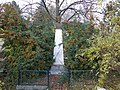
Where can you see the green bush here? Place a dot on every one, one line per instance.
(2, 85)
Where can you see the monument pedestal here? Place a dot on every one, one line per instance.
(57, 69)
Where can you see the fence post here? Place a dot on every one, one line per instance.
(19, 77)
(69, 79)
(48, 79)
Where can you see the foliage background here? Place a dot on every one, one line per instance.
(29, 43)
(104, 53)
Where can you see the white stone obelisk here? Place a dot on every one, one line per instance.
(58, 49)
(58, 56)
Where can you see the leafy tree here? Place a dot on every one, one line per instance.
(19, 47)
(27, 45)
(1, 85)
(42, 33)
(104, 55)
(75, 43)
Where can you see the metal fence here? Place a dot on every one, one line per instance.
(33, 77)
(82, 79)
(70, 80)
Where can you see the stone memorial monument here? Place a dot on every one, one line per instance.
(58, 56)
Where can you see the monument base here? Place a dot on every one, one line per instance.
(57, 69)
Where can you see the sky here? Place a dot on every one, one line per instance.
(20, 2)
(24, 2)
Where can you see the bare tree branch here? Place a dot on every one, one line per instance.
(90, 3)
(61, 3)
(88, 10)
(76, 12)
(47, 9)
(97, 12)
(85, 6)
(30, 5)
(36, 3)
(64, 10)
(71, 17)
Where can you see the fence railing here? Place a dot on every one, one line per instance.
(33, 77)
(71, 78)
(82, 78)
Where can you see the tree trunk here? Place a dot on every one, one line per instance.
(57, 12)
(58, 18)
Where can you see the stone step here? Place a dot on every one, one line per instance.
(31, 87)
